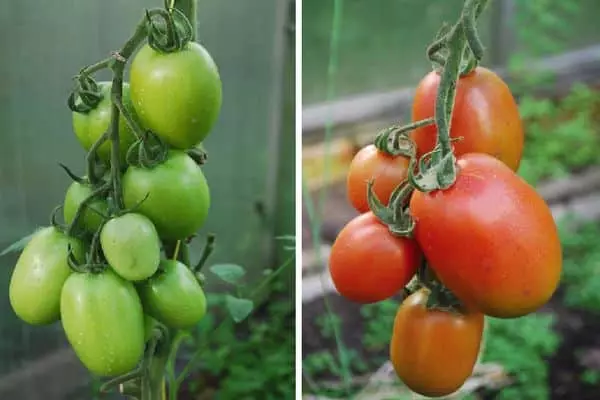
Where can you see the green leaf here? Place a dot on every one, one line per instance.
(238, 308)
(230, 273)
(18, 245)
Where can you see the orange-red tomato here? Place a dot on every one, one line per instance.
(369, 264)
(386, 171)
(485, 116)
(490, 238)
(434, 351)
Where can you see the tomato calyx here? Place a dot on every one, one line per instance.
(394, 140)
(148, 151)
(86, 95)
(395, 215)
(169, 30)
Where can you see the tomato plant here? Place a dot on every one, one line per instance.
(433, 351)
(177, 95)
(368, 264)
(129, 221)
(131, 246)
(90, 125)
(173, 296)
(499, 218)
(174, 195)
(385, 170)
(103, 319)
(485, 117)
(39, 275)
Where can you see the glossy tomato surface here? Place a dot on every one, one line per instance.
(39, 275)
(90, 126)
(103, 320)
(176, 95)
(434, 351)
(173, 296)
(91, 219)
(173, 195)
(387, 173)
(368, 264)
(490, 238)
(485, 115)
(131, 246)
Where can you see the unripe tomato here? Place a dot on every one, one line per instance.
(90, 126)
(131, 246)
(490, 238)
(91, 219)
(177, 193)
(176, 95)
(368, 264)
(173, 296)
(39, 275)
(485, 115)
(386, 171)
(103, 321)
(434, 351)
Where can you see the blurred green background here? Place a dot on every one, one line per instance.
(251, 149)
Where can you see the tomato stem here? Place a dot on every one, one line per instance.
(189, 9)
(84, 204)
(394, 140)
(209, 247)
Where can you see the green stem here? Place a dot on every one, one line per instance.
(153, 381)
(189, 9)
(92, 156)
(118, 69)
(79, 213)
(209, 247)
(100, 65)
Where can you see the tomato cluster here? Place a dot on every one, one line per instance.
(488, 241)
(110, 274)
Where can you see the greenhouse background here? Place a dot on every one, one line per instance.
(250, 169)
(359, 76)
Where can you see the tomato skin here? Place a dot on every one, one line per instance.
(103, 320)
(485, 115)
(39, 275)
(89, 127)
(386, 171)
(90, 220)
(434, 351)
(131, 246)
(173, 296)
(490, 238)
(176, 95)
(178, 195)
(368, 264)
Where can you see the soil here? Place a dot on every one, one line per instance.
(579, 349)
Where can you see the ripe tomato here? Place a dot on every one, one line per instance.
(369, 163)
(176, 95)
(90, 126)
(92, 215)
(178, 195)
(490, 238)
(39, 275)
(131, 246)
(485, 116)
(103, 321)
(368, 264)
(173, 296)
(434, 351)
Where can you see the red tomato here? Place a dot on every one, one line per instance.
(490, 238)
(386, 171)
(485, 116)
(369, 264)
(434, 351)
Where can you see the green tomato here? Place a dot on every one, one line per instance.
(39, 275)
(176, 195)
(103, 320)
(173, 296)
(90, 126)
(131, 246)
(176, 95)
(92, 215)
